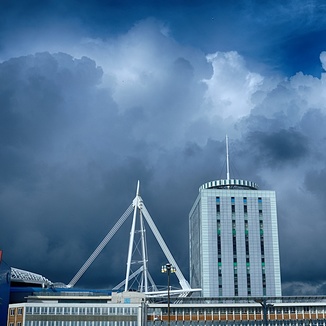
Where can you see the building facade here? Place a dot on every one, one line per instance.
(74, 314)
(233, 235)
(181, 312)
(78, 308)
(4, 290)
(209, 313)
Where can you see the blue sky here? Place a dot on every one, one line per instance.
(284, 35)
(96, 95)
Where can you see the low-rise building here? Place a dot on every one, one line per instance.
(133, 309)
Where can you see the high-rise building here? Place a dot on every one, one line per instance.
(233, 233)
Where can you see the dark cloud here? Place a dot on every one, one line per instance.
(91, 103)
(282, 147)
(314, 181)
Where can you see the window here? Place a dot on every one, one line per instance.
(232, 200)
(20, 311)
(234, 246)
(12, 312)
(245, 200)
(247, 247)
(74, 310)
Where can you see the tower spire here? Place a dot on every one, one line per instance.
(227, 158)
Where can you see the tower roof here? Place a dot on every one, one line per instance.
(229, 184)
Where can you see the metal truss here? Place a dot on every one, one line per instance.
(19, 275)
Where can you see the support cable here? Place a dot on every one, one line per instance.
(100, 247)
(183, 282)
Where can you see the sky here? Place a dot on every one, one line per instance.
(95, 95)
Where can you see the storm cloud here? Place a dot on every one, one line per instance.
(83, 118)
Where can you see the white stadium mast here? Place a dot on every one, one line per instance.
(138, 206)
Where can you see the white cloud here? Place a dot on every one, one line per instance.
(323, 59)
(231, 86)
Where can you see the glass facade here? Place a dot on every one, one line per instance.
(234, 248)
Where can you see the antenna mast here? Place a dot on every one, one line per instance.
(227, 158)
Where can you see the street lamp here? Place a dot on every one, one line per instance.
(168, 268)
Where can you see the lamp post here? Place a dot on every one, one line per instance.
(168, 268)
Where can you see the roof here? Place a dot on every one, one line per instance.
(22, 276)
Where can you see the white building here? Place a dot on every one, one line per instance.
(86, 310)
(234, 248)
(51, 308)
